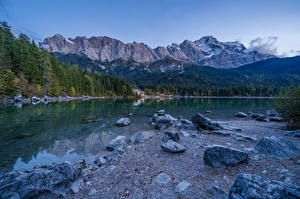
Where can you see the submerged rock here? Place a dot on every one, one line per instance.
(240, 114)
(47, 182)
(277, 147)
(171, 135)
(295, 133)
(90, 120)
(219, 156)
(137, 138)
(115, 143)
(124, 121)
(172, 147)
(248, 186)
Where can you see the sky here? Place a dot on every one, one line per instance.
(269, 26)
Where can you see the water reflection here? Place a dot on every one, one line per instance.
(40, 134)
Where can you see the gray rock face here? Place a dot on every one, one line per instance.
(247, 186)
(124, 121)
(200, 121)
(49, 182)
(137, 138)
(219, 156)
(295, 133)
(240, 114)
(115, 143)
(277, 147)
(205, 51)
(171, 135)
(172, 147)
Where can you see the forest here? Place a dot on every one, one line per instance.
(31, 71)
(270, 77)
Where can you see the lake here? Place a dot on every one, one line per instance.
(40, 134)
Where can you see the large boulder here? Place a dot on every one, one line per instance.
(171, 135)
(185, 125)
(46, 182)
(162, 120)
(202, 122)
(124, 121)
(277, 147)
(219, 156)
(115, 143)
(248, 186)
(172, 147)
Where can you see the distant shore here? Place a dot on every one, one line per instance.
(46, 99)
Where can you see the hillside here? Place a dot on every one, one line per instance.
(266, 77)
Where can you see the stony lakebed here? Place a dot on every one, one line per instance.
(248, 156)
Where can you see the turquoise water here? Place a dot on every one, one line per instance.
(40, 134)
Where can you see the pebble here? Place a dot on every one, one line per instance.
(182, 186)
(92, 192)
(162, 178)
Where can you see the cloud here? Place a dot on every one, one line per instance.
(264, 45)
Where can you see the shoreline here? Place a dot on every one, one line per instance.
(140, 167)
(46, 99)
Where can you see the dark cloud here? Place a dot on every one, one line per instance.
(264, 45)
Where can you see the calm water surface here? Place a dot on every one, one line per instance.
(40, 134)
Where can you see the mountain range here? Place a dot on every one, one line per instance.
(206, 51)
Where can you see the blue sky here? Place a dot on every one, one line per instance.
(270, 25)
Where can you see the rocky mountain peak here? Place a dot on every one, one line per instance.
(205, 51)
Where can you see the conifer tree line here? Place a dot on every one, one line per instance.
(32, 71)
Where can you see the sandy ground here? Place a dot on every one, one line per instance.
(132, 176)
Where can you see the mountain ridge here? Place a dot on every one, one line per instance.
(205, 51)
